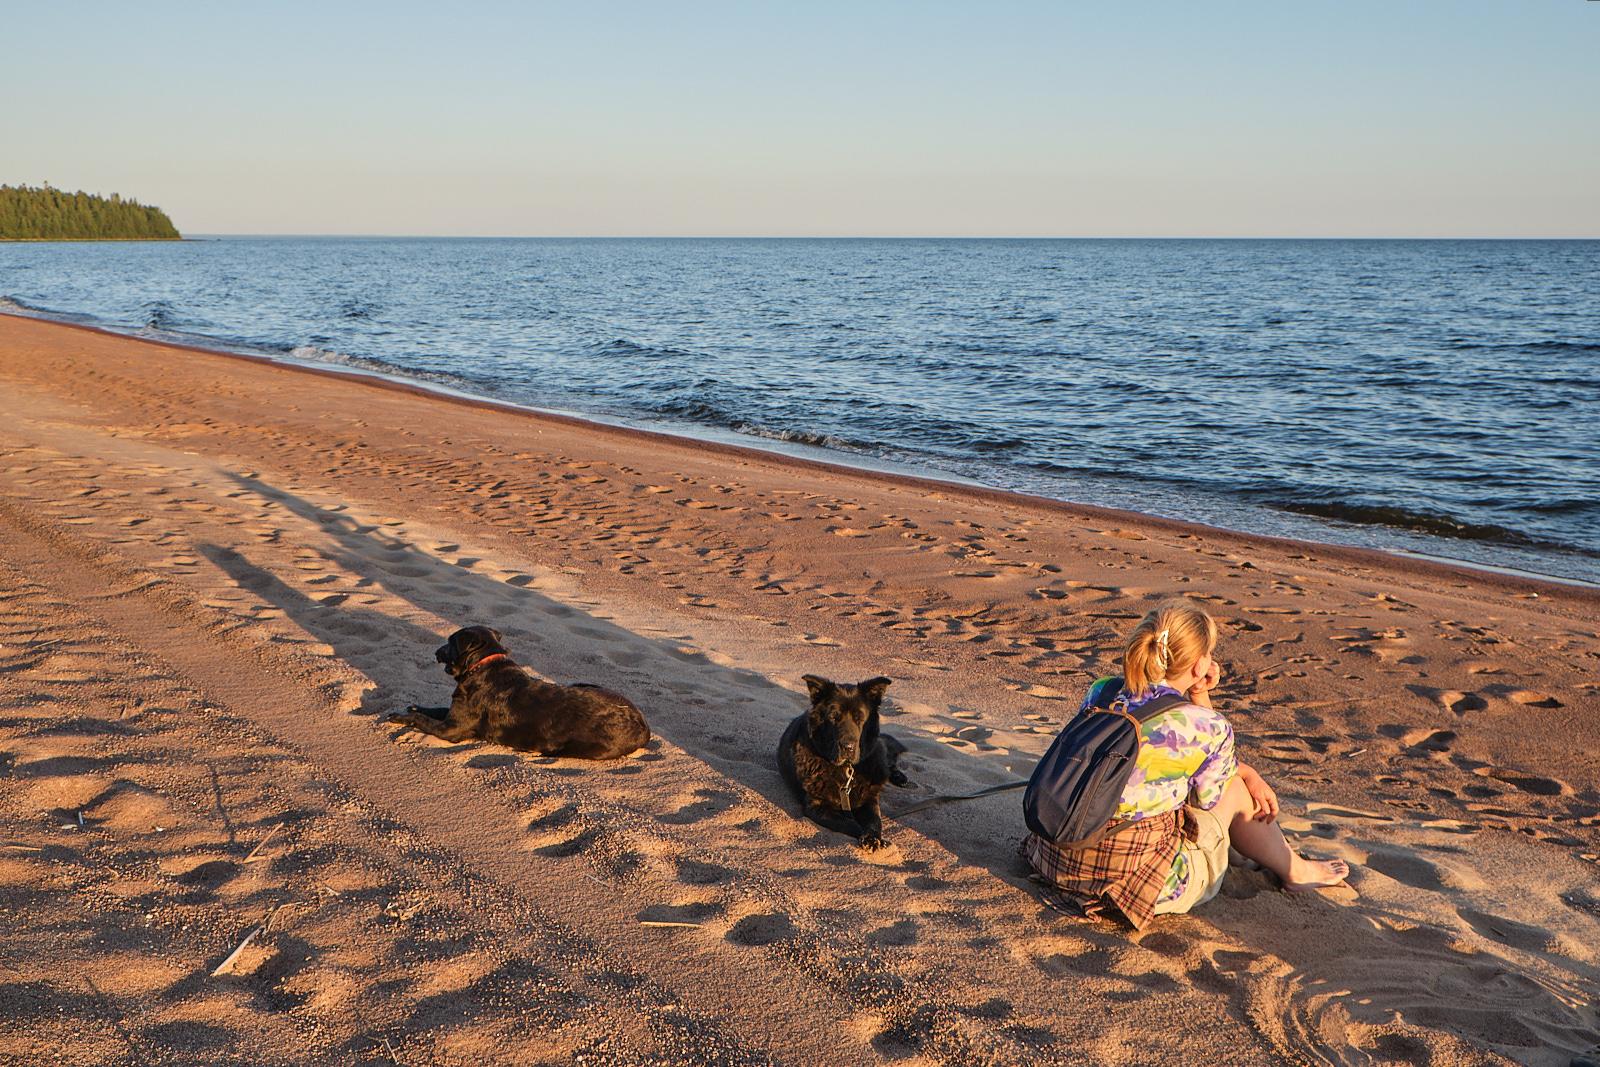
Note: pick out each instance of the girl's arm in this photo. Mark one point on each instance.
(1266, 799)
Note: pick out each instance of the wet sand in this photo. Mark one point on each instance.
(217, 574)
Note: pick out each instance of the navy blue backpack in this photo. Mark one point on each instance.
(1075, 789)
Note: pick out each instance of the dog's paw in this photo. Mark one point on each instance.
(402, 718)
(872, 842)
(898, 777)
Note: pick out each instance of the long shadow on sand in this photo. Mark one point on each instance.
(1357, 963)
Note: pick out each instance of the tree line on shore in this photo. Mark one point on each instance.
(44, 213)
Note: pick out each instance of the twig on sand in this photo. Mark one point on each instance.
(266, 924)
(226, 965)
(263, 843)
(666, 924)
(266, 927)
(390, 1050)
(23, 848)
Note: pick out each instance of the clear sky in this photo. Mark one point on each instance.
(589, 117)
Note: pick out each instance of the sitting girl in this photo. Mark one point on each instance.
(1188, 798)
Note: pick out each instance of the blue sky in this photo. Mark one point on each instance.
(1392, 118)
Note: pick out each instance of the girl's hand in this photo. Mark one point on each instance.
(1265, 798)
(1200, 692)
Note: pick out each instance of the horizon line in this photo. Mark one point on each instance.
(211, 235)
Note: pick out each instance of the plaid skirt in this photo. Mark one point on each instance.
(1127, 869)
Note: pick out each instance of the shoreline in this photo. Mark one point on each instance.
(1514, 579)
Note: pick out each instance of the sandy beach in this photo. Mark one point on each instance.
(217, 574)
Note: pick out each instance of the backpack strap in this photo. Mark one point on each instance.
(1163, 703)
(1119, 704)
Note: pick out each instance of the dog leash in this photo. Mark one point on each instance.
(945, 798)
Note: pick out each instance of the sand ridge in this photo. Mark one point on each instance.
(266, 560)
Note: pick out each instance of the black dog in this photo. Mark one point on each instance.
(504, 704)
(836, 759)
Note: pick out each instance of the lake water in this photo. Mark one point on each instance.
(1439, 397)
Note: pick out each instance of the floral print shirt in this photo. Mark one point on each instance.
(1185, 757)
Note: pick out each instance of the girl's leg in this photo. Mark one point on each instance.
(1264, 843)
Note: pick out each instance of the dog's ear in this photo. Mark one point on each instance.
(872, 689)
(820, 688)
(475, 639)
(496, 635)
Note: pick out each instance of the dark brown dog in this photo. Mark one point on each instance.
(837, 760)
(499, 702)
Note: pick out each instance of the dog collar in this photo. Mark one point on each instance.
(482, 662)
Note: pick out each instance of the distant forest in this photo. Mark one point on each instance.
(46, 214)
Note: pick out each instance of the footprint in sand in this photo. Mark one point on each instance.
(1404, 867)
(1453, 700)
(1038, 692)
(1527, 783)
(1432, 741)
(759, 930)
(689, 912)
(1334, 811)
(1508, 931)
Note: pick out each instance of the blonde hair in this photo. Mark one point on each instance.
(1167, 641)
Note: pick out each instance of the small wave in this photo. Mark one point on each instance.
(694, 410)
(16, 306)
(160, 315)
(1566, 506)
(709, 413)
(318, 354)
(994, 445)
(803, 437)
(356, 309)
(1435, 523)
(22, 307)
(621, 346)
(1577, 348)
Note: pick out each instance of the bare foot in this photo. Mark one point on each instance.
(1305, 875)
